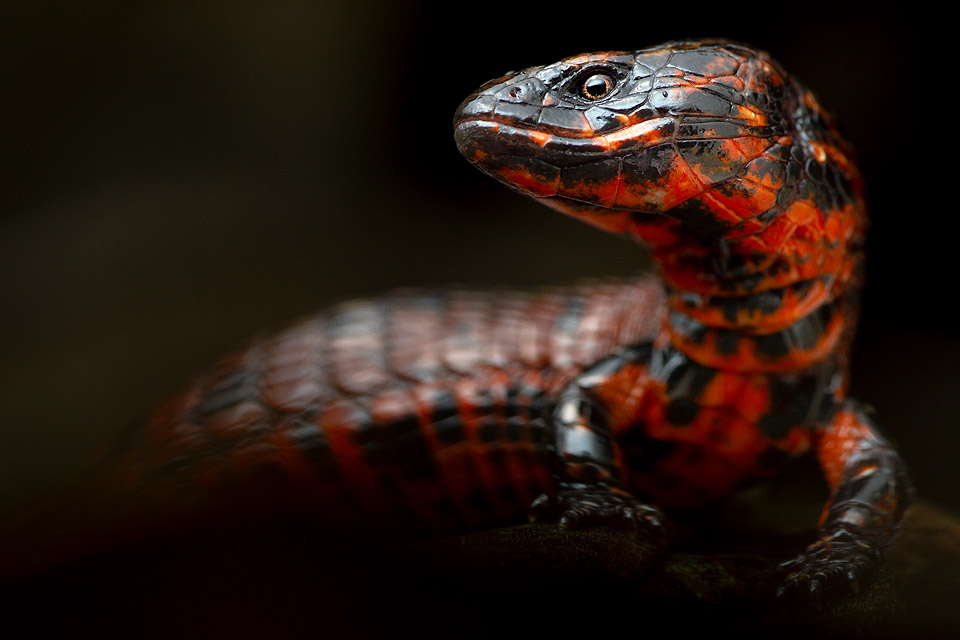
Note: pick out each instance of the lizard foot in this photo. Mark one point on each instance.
(578, 506)
(837, 561)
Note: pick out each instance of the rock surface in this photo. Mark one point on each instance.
(293, 580)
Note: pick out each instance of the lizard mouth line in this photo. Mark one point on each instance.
(493, 121)
(640, 133)
(495, 136)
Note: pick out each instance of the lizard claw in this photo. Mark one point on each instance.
(581, 506)
(837, 561)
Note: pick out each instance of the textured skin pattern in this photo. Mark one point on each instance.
(454, 410)
(427, 411)
(750, 201)
(423, 405)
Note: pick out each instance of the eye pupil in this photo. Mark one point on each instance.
(596, 86)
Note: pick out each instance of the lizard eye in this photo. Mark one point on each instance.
(596, 85)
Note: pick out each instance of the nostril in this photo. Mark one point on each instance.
(516, 92)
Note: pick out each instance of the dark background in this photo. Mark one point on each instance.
(176, 177)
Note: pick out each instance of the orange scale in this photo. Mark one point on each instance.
(628, 198)
(662, 233)
(723, 390)
(582, 191)
(696, 432)
(754, 118)
(752, 244)
(470, 396)
(753, 401)
(812, 232)
(739, 441)
(607, 192)
(689, 280)
(746, 198)
(339, 426)
(747, 227)
(530, 182)
(626, 393)
(810, 269)
(754, 172)
(733, 82)
(681, 186)
(796, 306)
(799, 250)
(838, 226)
(721, 148)
(717, 207)
(777, 233)
(838, 443)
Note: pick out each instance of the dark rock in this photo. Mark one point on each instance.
(926, 560)
(292, 579)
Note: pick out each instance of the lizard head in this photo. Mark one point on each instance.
(697, 138)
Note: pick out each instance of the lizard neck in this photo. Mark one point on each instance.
(734, 308)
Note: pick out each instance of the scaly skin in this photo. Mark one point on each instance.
(753, 208)
(456, 410)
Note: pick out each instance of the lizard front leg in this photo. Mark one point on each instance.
(870, 492)
(589, 469)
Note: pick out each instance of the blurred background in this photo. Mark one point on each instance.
(176, 177)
